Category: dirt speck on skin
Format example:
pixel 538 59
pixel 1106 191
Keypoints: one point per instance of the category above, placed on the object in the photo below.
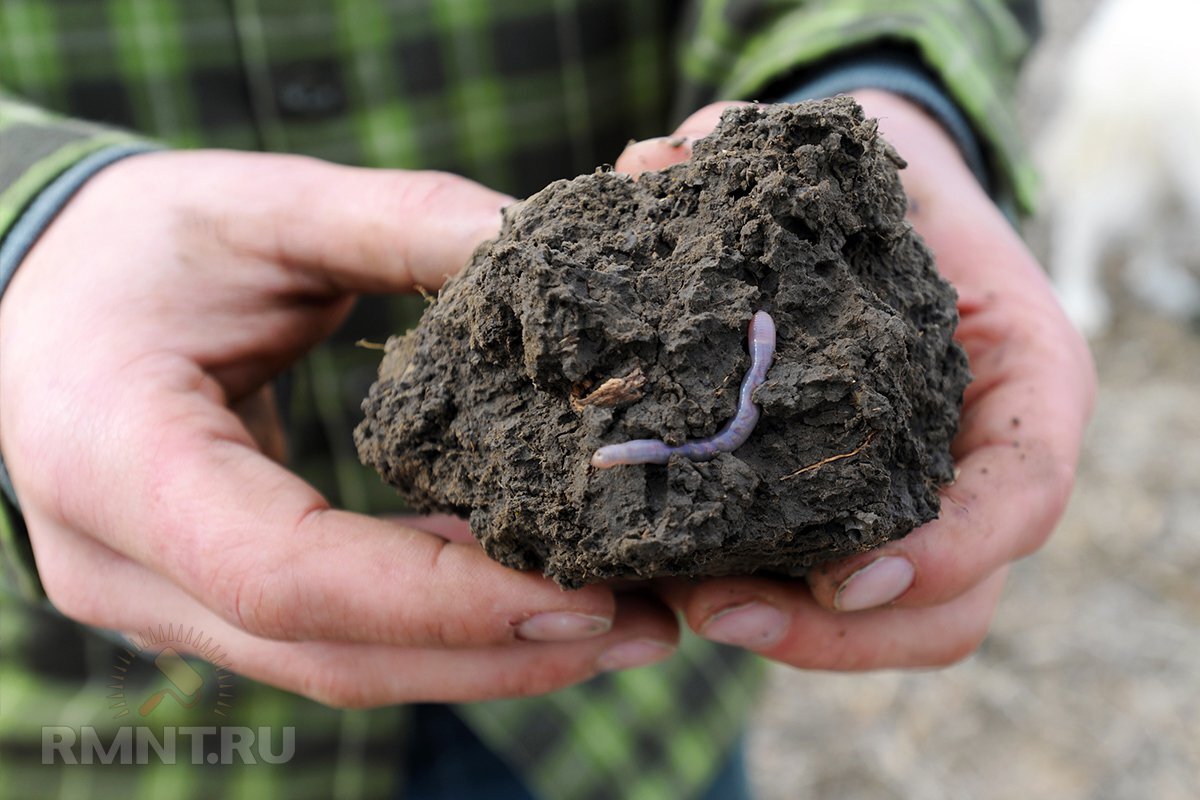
pixel 611 309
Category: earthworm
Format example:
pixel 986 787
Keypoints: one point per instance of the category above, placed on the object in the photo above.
pixel 731 437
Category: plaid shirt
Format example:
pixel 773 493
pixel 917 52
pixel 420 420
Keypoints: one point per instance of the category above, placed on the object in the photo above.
pixel 512 94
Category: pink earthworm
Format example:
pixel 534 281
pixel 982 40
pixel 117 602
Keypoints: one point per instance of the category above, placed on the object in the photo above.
pixel 731 437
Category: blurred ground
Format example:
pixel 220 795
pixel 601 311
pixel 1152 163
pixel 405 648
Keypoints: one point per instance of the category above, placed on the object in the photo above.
pixel 1089 685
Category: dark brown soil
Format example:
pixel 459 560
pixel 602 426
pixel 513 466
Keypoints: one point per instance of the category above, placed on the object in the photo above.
pixel 493 406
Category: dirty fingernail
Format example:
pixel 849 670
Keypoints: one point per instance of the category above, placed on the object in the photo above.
pixel 876 584
pixel 637 653
pixel 754 626
pixel 562 626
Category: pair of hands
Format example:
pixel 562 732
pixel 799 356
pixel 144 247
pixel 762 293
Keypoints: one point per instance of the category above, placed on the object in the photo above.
pixel 139 336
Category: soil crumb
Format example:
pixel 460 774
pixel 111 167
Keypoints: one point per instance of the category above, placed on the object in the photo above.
pixel 610 309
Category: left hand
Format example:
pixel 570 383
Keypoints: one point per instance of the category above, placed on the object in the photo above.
pixel 928 599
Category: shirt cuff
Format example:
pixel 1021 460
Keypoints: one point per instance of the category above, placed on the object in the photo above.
pixel 34 220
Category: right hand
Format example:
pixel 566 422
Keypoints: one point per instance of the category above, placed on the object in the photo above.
pixel 1017 447
pixel 137 339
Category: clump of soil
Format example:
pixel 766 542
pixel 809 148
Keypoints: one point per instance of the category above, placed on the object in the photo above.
pixel 611 309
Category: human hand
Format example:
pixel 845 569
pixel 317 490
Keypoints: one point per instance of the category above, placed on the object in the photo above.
pixel 136 341
pixel 928 599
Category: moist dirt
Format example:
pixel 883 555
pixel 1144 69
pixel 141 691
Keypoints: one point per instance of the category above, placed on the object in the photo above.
pixel 611 309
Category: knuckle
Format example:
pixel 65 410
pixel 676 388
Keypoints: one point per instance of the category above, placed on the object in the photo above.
pixel 426 190
pixel 263 604
pixel 429 189
pixel 439 625
pixel 257 598
pixel 413 628
pixel 443 632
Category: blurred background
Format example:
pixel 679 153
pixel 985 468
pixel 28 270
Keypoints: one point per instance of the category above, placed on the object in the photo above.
pixel 1089 684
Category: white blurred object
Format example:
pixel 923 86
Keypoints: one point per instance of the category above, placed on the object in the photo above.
pixel 1121 159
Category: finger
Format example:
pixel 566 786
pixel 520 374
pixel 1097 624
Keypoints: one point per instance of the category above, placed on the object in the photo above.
pixel 80 574
pixel 663 151
pixel 1016 458
pixel 344 229
pixel 198 503
pixel 645 634
pixel 781 620
pixel 1003 507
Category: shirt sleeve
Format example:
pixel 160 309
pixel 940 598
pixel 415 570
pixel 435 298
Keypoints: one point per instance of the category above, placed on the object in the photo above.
pixel 970 49
pixel 44 160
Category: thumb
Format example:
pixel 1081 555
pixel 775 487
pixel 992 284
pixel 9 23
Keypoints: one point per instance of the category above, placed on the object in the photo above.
pixel 663 151
pixel 352 229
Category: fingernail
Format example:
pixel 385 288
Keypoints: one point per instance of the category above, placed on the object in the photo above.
pixel 637 653
pixel 669 141
pixel 876 584
pixel 562 626
pixel 754 626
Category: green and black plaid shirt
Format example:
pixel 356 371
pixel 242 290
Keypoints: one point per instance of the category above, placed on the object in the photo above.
pixel 512 93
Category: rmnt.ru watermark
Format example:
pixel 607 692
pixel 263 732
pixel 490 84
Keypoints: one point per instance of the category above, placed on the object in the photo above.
pixel 138 744
pixel 153 675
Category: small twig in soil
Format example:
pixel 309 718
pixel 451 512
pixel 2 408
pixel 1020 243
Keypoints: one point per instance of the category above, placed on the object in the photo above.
pixel 369 345
pixel 831 459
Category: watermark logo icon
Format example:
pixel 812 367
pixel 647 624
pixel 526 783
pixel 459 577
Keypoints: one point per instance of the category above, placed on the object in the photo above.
pixel 181 675
pixel 182 680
